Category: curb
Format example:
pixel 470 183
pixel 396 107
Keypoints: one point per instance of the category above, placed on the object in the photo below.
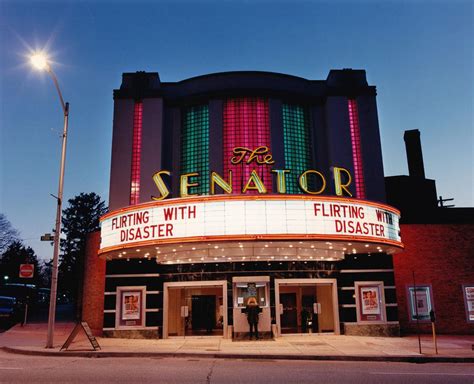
pixel 398 359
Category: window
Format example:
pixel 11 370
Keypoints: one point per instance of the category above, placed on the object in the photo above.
pixel 243 291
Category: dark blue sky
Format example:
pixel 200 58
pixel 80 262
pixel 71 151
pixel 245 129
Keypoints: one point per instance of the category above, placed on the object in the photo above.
pixel 419 54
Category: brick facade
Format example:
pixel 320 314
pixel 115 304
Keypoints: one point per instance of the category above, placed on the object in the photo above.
pixel 441 255
pixel 94 285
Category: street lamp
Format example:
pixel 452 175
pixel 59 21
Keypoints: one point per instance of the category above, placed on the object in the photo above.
pixel 40 61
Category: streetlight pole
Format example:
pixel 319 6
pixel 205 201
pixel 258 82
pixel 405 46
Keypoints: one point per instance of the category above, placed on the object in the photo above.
pixel 57 230
pixel 40 62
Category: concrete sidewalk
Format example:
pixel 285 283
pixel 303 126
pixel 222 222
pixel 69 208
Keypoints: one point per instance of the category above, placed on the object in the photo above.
pixel 31 339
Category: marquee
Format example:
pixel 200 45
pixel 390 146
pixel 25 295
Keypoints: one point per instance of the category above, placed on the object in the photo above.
pixel 238 217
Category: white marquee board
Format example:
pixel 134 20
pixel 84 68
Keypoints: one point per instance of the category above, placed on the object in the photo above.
pixel 220 218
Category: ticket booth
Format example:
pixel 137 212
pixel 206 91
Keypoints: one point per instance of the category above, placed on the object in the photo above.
pixel 244 288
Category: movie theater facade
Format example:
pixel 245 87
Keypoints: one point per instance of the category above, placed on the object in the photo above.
pixel 244 184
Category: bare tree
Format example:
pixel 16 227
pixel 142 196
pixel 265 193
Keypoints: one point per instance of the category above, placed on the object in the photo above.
pixel 8 234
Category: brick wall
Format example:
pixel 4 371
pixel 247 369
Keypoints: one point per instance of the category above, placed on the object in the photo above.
pixel 441 255
pixel 94 285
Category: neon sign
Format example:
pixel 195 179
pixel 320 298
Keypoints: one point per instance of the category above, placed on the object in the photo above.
pixel 259 156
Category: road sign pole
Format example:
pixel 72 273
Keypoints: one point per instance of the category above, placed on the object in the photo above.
pixel 416 311
pixel 27 271
pixel 26 314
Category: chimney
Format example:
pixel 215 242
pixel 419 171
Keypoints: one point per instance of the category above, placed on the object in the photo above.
pixel 414 154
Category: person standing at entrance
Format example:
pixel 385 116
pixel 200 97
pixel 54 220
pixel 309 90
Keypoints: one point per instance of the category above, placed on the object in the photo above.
pixel 305 319
pixel 253 310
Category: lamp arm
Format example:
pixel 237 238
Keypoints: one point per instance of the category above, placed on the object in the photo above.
pixel 56 84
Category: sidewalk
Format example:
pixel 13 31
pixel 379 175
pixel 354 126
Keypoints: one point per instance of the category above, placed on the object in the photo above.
pixel 32 339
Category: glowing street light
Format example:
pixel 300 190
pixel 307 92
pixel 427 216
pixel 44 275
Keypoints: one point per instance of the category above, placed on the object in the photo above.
pixel 40 61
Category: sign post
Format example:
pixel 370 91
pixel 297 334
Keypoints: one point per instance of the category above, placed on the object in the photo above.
pixel 433 328
pixel 416 311
pixel 27 271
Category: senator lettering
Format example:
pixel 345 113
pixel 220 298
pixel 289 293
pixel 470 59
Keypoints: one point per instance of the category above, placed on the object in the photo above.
pixel 310 181
pixel 254 182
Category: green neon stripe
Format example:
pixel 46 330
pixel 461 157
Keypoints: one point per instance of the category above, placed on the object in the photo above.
pixel 195 146
pixel 297 144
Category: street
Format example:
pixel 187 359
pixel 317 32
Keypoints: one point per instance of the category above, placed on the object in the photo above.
pixel 35 369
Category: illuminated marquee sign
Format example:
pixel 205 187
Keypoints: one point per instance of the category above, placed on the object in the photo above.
pixel 260 156
pixel 246 218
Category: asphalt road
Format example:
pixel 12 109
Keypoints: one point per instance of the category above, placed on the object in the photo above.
pixel 38 369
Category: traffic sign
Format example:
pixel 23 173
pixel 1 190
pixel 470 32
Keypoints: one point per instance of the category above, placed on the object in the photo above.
pixel 27 271
pixel 47 237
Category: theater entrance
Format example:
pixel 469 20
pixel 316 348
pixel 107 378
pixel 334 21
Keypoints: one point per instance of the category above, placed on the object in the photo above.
pixel 195 309
pixel 306 306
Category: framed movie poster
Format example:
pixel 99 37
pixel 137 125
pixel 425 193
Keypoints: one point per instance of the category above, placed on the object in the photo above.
pixel 370 301
pixel 468 291
pixel 420 302
pixel 131 303
pixel 130 307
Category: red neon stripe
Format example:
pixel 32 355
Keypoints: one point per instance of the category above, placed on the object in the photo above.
pixel 356 149
pixel 246 125
pixel 136 153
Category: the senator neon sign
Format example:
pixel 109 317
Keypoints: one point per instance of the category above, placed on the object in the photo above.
pixel 260 156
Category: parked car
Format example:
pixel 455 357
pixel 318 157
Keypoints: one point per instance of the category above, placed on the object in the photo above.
pixel 10 312
pixel 43 295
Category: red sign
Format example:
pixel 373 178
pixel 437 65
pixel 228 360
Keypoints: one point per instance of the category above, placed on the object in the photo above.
pixel 27 271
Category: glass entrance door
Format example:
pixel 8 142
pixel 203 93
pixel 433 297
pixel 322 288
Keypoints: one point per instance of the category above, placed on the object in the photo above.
pixel 289 317
pixel 203 314
pixel 306 308
pixel 195 311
